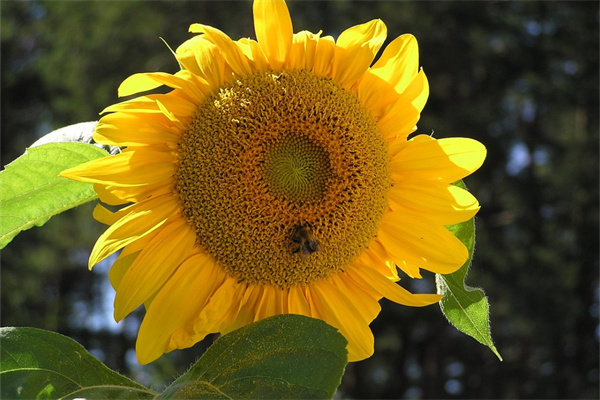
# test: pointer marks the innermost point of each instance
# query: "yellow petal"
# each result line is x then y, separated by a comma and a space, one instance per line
221, 310
114, 195
107, 197
218, 315
399, 62
399, 120
174, 102
297, 303
446, 204
202, 88
446, 160
167, 113
366, 304
371, 262
186, 54
302, 53
355, 49
247, 308
255, 54
121, 265
154, 265
401, 117
401, 255
417, 91
337, 310
268, 304
273, 27
393, 72
396, 145
441, 250
229, 49
122, 129
179, 301
203, 58
134, 168
324, 53
143, 218
126, 258
389, 289
105, 216
378, 258
142, 82
376, 95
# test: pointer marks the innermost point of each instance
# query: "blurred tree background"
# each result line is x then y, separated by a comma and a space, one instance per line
521, 77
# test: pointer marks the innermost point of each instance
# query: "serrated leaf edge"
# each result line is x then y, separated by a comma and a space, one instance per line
486, 336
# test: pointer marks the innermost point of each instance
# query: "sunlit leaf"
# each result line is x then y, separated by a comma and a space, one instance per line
80, 133
32, 191
466, 308
285, 356
40, 364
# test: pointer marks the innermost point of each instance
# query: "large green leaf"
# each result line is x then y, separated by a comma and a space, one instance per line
37, 364
32, 191
285, 356
466, 308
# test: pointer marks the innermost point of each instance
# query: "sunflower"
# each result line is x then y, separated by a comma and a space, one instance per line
276, 177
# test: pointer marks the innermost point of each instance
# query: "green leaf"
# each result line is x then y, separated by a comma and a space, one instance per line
466, 308
39, 364
32, 191
285, 356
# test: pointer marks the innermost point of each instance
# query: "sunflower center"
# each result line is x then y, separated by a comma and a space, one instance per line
296, 167
284, 178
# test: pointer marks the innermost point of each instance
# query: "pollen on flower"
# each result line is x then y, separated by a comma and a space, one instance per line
270, 152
